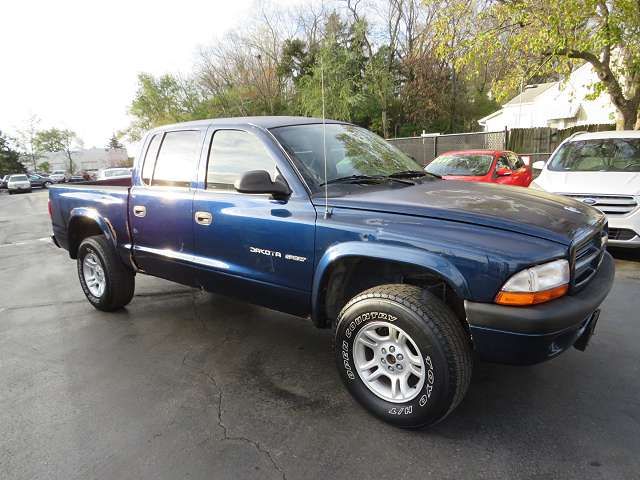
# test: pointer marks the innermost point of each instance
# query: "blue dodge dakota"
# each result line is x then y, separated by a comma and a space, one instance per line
415, 274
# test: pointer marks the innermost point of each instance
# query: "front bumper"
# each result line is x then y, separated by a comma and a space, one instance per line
528, 335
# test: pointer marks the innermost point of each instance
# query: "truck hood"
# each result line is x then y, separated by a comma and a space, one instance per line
612, 183
516, 209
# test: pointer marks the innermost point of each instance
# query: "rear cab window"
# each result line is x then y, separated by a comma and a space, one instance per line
172, 158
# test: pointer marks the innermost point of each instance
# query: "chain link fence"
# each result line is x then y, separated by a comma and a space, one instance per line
425, 148
533, 143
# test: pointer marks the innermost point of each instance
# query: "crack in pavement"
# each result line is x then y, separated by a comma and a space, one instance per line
225, 430
25, 242
71, 302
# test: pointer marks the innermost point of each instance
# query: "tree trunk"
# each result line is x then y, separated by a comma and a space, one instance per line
385, 132
628, 118
70, 163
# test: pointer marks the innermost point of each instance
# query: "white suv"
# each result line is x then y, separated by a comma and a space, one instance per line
602, 170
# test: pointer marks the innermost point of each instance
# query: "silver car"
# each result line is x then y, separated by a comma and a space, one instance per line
18, 183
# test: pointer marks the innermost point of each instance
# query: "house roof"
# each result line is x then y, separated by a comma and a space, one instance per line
530, 93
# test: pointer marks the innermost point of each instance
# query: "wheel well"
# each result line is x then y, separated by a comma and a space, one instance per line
349, 276
79, 229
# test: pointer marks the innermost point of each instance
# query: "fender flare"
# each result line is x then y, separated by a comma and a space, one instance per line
433, 262
84, 213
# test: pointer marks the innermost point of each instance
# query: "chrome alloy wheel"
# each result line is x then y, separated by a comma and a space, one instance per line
389, 362
94, 275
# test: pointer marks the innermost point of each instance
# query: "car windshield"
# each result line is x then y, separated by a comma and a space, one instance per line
461, 164
19, 178
601, 155
351, 152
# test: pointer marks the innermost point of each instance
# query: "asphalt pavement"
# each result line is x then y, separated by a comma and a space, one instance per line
186, 384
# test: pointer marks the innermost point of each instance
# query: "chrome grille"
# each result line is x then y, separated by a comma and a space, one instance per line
609, 204
587, 255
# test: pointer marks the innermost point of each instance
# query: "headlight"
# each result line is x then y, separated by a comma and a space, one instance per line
537, 284
535, 186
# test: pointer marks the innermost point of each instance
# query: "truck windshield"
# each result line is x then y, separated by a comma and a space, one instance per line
601, 155
351, 152
463, 165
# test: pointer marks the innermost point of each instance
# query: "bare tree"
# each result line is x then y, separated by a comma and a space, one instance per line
27, 140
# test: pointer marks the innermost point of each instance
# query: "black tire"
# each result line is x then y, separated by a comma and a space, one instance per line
444, 345
10, 192
120, 280
47, 184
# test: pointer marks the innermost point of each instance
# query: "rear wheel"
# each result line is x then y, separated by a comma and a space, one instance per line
106, 281
403, 355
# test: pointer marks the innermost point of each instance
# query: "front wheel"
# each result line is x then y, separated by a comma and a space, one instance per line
47, 184
106, 281
403, 354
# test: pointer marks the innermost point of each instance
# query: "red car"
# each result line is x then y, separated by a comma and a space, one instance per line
492, 166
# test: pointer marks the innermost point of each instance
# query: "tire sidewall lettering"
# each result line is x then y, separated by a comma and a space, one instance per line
422, 401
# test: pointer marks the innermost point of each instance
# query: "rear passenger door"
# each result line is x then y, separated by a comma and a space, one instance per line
161, 202
252, 244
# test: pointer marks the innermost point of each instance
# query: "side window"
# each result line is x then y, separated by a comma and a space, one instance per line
150, 158
502, 163
232, 153
515, 161
178, 159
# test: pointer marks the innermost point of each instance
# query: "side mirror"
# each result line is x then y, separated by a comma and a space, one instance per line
503, 172
539, 165
259, 181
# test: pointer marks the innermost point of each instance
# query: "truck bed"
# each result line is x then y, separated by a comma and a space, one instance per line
104, 200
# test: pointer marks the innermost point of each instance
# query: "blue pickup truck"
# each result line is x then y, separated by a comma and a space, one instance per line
415, 274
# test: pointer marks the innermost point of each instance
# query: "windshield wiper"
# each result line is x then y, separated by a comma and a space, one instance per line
366, 179
352, 179
409, 174
413, 173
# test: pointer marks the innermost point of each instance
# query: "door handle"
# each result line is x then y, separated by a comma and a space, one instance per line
139, 211
203, 218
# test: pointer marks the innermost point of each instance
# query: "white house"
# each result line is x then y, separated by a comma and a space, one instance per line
555, 104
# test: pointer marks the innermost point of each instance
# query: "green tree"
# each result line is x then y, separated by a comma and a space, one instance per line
340, 62
546, 37
45, 167
56, 140
9, 157
162, 100
114, 143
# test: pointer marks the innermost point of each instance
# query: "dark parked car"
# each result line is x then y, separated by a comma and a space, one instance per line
415, 274
39, 181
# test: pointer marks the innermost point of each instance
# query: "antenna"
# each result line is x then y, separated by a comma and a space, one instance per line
324, 142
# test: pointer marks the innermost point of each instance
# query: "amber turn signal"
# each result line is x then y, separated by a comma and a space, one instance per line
520, 299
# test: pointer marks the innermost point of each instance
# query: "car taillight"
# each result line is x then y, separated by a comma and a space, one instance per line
50, 209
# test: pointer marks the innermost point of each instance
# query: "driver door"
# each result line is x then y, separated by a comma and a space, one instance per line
251, 242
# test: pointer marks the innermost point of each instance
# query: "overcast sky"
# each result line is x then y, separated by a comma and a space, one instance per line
74, 63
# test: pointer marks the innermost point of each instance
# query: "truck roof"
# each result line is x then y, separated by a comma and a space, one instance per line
259, 121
